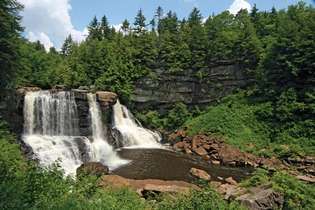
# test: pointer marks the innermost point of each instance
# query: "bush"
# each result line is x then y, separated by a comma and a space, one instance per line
206, 199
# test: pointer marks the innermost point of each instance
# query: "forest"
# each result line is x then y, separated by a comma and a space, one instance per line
273, 116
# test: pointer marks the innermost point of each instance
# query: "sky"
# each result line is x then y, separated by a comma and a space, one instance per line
51, 21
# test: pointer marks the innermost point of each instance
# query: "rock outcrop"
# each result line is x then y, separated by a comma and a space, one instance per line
148, 185
162, 89
254, 198
261, 199
214, 150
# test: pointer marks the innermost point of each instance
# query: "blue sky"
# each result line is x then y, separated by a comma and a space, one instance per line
50, 21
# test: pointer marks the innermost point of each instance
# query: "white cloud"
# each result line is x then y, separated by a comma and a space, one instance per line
237, 5
117, 27
42, 37
46, 20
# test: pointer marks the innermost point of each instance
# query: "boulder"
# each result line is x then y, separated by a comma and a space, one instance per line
231, 181
196, 141
200, 151
92, 168
148, 185
201, 174
106, 98
179, 145
260, 199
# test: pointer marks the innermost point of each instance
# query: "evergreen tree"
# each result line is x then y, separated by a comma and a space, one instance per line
104, 28
140, 23
196, 39
94, 30
9, 39
67, 46
195, 17
125, 27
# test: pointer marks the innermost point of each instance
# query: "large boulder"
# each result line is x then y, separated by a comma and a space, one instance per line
260, 198
148, 185
106, 98
92, 168
201, 174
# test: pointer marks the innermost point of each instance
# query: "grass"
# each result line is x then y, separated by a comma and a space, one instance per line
239, 121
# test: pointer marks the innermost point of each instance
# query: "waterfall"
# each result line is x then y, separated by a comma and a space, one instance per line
131, 131
53, 114
102, 151
51, 129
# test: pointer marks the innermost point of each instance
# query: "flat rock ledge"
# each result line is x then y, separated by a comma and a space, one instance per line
147, 185
105, 98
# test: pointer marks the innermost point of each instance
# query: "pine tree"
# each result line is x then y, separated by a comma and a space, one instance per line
196, 40
94, 30
104, 28
195, 17
125, 27
140, 23
9, 38
67, 46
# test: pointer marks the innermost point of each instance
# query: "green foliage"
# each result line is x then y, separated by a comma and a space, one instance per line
297, 194
206, 199
253, 127
9, 34
171, 120
233, 118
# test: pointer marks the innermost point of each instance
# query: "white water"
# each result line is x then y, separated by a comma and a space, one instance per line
51, 130
132, 133
102, 151
50, 127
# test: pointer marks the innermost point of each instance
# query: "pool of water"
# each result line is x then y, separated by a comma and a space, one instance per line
169, 165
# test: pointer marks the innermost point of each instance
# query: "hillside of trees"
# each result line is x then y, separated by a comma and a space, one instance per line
275, 112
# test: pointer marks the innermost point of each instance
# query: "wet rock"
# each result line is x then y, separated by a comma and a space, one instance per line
80, 94
92, 168
200, 151
148, 185
231, 181
106, 98
201, 174
261, 199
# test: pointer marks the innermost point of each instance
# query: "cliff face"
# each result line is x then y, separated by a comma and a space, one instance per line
164, 89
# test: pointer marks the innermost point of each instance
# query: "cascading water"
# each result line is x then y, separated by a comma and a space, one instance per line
51, 127
51, 130
132, 133
102, 151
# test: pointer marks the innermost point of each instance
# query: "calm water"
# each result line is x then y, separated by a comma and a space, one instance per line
169, 165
